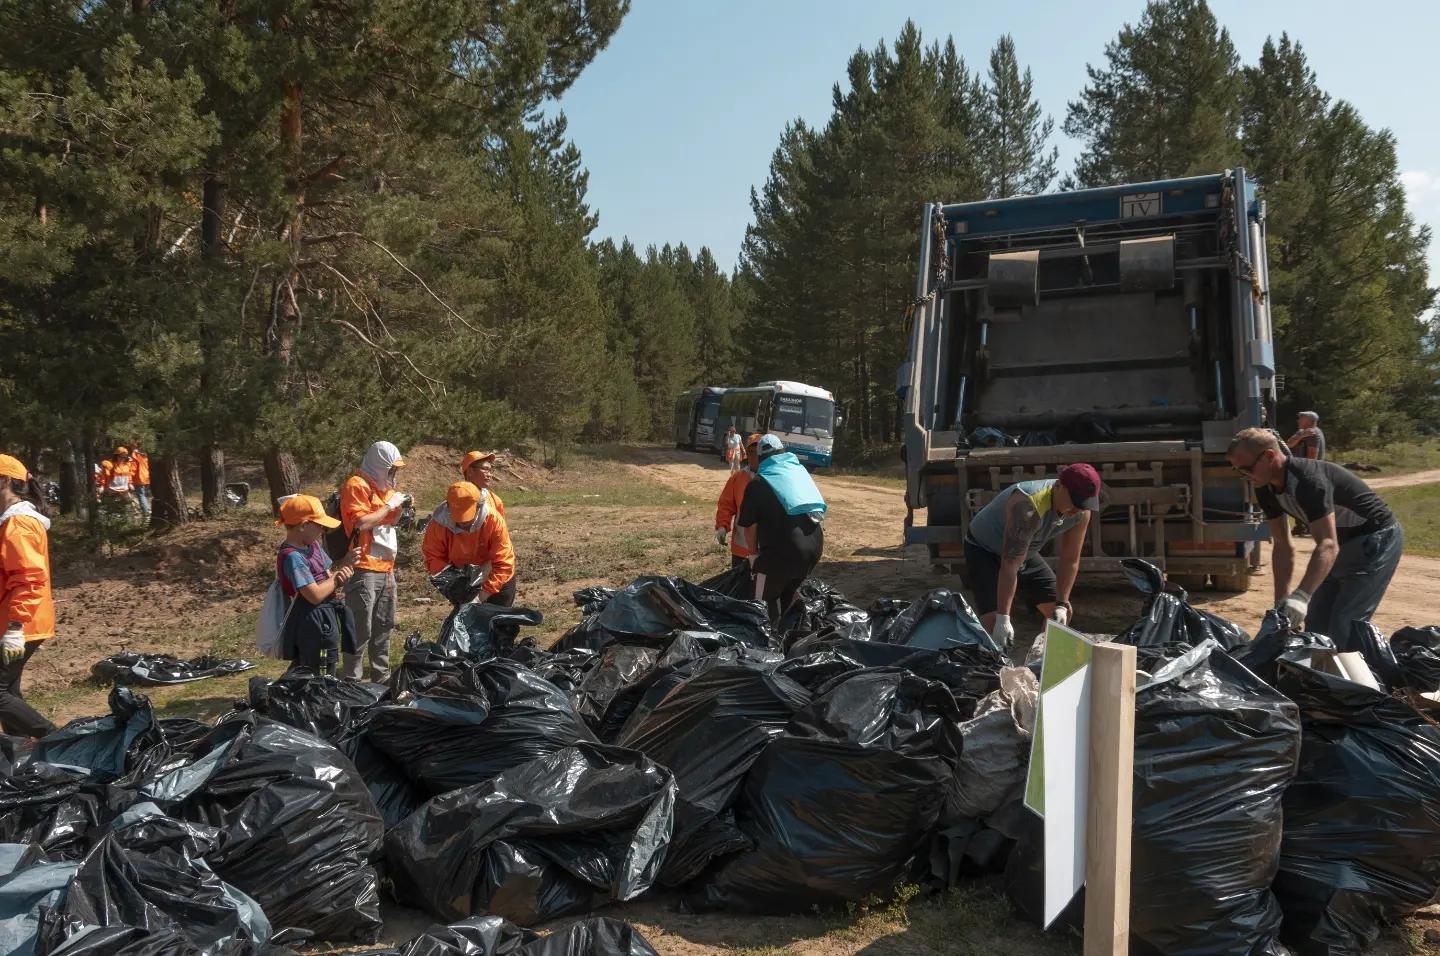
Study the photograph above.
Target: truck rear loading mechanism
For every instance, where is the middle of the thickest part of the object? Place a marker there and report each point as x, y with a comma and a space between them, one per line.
1127, 327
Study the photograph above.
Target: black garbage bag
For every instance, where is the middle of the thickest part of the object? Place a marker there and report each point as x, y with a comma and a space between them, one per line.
26, 890
1167, 618
424, 664
686, 654
1362, 818
597, 936
561, 834
592, 600
162, 670
59, 810
459, 585
1370, 644
820, 609
1276, 641
971, 671
481, 631
110, 747
297, 824
1417, 653
338, 711
149, 872
620, 666
319, 704
709, 730
473, 726
493, 936
1215, 748
655, 606
565, 669
938, 621
842, 806
996, 752
77, 939
736, 582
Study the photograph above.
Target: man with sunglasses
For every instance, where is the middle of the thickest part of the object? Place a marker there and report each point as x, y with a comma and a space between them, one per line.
1358, 542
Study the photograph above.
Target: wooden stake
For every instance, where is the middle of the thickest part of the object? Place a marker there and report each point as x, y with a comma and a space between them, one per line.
1111, 787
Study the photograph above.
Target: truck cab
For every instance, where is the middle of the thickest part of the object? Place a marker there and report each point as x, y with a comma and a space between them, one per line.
1127, 327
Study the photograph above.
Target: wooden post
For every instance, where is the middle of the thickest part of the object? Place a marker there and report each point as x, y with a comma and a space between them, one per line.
1111, 787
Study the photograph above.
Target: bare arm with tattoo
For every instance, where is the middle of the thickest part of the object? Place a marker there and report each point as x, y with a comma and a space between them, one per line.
1021, 523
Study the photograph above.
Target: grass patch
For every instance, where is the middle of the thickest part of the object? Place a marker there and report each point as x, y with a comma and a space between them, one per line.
606, 492
1418, 508
1396, 458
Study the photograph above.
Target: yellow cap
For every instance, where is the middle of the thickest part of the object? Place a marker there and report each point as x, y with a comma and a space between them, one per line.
122, 450
299, 509
13, 468
464, 501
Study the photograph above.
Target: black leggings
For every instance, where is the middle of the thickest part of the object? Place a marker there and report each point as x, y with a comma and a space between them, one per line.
16, 716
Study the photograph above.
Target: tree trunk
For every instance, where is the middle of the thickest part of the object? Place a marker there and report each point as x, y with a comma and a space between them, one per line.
167, 508
282, 475
212, 479
72, 484
91, 493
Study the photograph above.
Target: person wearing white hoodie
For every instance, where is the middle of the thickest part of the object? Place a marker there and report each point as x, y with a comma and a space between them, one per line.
370, 506
27, 611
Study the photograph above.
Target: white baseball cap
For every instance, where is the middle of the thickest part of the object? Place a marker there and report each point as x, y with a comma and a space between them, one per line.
769, 445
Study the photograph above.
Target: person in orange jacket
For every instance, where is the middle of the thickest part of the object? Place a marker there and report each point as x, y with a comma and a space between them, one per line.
142, 477
468, 530
27, 610
370, 506
478, 467
728, 507
117, 475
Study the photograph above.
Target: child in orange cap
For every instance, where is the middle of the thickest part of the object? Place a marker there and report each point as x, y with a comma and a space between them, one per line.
319, 625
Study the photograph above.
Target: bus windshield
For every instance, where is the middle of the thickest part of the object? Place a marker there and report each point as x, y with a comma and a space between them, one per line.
795, 414
709, 408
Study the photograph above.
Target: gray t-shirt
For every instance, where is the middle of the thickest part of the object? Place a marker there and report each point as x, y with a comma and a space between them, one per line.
987, 528
1316, 440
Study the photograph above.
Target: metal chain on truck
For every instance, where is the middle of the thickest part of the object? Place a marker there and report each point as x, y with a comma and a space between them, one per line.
941, 265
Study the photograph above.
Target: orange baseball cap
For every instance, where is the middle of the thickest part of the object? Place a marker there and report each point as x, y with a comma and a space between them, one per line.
299, 509
122, 450
12, 468
472, 457
753, 440
464, 501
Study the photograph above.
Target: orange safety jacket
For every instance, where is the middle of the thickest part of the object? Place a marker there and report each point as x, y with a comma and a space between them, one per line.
25, 573
727, 510
358, 498
117, 477
485, 543
142, 468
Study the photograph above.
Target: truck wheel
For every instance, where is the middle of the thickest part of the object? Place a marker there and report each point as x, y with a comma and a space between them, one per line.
1232, 583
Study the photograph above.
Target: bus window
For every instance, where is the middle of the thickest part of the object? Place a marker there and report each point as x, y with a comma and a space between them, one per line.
709, 408
789, 414
819, 417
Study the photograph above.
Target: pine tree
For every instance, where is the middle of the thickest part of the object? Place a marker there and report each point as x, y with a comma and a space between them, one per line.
1166, 104
1013, 130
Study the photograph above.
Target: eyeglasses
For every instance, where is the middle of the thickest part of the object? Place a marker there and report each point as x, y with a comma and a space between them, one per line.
1248, 470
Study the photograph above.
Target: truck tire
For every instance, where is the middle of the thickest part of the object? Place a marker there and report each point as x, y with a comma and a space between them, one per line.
1231, 583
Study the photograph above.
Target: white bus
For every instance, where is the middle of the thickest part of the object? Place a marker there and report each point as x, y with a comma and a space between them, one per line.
802, 416
695, 414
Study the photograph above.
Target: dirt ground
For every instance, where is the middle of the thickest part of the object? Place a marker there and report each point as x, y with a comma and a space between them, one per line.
605, 519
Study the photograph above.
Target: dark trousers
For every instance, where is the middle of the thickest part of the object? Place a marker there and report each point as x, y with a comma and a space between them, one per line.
738, 559
505, 597
1356, 583
16, 716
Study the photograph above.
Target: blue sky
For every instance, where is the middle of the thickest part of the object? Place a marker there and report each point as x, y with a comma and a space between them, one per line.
677, 118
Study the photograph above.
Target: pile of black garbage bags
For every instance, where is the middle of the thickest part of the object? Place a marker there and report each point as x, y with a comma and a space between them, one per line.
1278, 808
677, 741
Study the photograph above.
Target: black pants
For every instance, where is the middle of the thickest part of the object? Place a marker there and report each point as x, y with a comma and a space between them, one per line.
738, 559
16, 716
1035, 582
505, 597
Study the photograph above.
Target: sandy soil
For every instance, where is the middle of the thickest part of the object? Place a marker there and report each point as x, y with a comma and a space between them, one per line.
1405, 481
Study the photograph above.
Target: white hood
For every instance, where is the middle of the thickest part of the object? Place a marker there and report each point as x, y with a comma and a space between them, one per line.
27, 509
376, 464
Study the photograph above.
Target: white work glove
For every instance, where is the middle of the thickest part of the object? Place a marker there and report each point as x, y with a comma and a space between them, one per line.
720, 534
1294, 607
1003, 634
14, 644
395, 501
1062, 614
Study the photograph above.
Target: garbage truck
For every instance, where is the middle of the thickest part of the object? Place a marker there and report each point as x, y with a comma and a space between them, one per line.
1125, 326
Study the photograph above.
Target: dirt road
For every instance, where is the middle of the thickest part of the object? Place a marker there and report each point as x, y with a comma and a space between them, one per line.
864, 556
1404, 481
